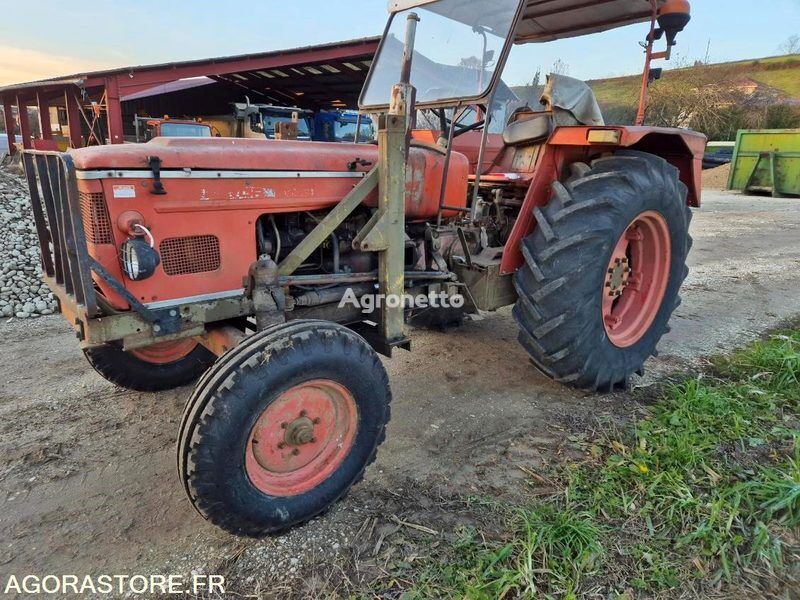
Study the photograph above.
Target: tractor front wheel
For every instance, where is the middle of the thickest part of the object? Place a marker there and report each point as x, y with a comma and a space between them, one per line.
282, 426
603, 270
155, 368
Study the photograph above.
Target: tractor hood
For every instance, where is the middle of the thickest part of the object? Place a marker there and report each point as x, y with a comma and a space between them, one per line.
228, 154
321, 173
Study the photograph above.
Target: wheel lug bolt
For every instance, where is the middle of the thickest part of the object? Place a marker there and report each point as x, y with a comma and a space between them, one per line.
303, 413
312, 441
281, 446
316, 421
295, 452
284, 425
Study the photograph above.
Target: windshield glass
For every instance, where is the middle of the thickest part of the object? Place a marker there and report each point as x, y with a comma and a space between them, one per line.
503, 107
457, 47
346, 132
184, 130
271, 123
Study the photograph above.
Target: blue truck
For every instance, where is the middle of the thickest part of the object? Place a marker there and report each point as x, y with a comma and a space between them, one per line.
341, 126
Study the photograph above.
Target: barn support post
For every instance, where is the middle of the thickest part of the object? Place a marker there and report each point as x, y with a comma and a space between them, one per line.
44, 116
11, 127
73, 118
24, 124
114, 112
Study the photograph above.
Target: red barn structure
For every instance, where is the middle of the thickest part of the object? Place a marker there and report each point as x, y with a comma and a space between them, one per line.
98, 108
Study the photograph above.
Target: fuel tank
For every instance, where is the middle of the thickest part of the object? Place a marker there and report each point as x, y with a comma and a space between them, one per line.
200, 199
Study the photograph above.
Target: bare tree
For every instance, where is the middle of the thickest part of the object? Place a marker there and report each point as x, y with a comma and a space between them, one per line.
560, 67
790, 46
713, 99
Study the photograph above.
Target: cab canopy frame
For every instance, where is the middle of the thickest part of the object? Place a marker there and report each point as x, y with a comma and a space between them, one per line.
506, 22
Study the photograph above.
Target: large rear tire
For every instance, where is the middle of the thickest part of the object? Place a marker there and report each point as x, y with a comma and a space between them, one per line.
282, 426
155, 368
603, 270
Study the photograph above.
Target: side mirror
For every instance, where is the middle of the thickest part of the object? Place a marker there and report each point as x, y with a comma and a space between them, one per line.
655, 75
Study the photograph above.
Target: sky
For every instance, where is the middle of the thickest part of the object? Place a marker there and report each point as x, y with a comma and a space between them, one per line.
46, 38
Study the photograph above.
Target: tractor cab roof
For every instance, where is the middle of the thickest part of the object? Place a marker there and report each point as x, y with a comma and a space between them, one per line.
461, 46
546, 20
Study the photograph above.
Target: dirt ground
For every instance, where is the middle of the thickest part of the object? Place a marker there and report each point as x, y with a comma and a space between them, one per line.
88, 482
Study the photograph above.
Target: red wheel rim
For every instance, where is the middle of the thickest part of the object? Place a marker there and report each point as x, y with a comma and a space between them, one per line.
165, 352
636, 279
301, 438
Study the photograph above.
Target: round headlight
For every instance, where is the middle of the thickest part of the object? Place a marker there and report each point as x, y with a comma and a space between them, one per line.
139, 260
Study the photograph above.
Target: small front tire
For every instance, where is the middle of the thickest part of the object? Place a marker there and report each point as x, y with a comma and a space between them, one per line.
282, 427
156, 368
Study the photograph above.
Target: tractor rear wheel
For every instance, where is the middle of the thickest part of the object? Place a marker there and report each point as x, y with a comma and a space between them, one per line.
603, 270
282, 426
155, 368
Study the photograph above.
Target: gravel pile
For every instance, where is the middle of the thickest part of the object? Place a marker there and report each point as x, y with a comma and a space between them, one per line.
22, 293
716, 179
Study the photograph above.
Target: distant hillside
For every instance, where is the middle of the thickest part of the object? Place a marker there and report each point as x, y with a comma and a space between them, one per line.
765, 83
781, 73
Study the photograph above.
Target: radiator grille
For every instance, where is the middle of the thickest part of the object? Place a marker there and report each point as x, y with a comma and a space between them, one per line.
186, 255
96, 223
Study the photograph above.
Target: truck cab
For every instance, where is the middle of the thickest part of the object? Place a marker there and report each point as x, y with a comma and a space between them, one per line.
148, 128
270, 117
342, 126
259, 121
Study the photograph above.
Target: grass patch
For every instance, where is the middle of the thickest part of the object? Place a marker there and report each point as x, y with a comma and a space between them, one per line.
705, 490
785, 80
550, 550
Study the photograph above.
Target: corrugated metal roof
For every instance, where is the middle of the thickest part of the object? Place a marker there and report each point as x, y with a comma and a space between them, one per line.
168, 88
60, 81
79, 78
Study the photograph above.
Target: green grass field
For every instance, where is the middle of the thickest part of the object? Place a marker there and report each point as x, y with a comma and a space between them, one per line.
703, 495
786, 80
779, 72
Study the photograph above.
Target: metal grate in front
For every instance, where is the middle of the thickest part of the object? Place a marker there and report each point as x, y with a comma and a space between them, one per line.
96, 222
187, 255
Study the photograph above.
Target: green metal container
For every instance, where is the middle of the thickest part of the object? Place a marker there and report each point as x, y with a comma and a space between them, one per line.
766, 161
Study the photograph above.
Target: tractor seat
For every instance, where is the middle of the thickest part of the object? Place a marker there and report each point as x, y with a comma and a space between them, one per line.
528, 128
567, 102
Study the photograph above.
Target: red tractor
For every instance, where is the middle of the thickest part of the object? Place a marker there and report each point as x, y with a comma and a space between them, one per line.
252, 265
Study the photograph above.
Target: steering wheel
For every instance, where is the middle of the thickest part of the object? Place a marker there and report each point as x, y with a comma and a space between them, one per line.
462, 129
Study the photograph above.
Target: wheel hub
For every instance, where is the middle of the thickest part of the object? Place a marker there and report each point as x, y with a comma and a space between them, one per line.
636, 279
299, 432
618, 276
301, 438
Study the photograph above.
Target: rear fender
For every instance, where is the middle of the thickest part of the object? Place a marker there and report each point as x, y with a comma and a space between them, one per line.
682, 148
